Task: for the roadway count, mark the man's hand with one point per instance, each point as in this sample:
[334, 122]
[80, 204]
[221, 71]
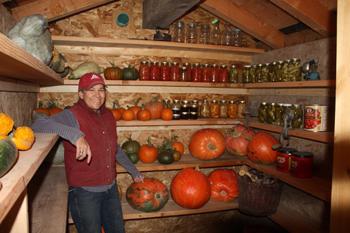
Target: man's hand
[83, 150]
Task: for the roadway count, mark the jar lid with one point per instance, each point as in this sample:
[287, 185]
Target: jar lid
[286, 150]
[122, 19]
[303, 154]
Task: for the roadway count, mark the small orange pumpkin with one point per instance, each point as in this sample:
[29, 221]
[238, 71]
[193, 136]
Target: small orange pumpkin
[144, 115]
[128, 115]
[167, 114]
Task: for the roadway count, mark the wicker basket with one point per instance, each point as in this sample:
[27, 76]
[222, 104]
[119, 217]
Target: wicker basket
[258, 199]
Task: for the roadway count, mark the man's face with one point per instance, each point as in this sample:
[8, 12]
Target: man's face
[94, 97]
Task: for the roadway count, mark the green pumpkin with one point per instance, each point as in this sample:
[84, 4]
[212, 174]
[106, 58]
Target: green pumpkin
[131, 146]
[8, 155]
[134, 157]
[130, 73]
[166, 157]
[147, 196]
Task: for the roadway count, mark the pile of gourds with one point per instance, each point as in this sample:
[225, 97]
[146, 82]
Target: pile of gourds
[11, 140]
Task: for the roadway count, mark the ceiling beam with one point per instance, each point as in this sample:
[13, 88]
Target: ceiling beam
[244, 20]
[160, 14]
[311, 12]
[56, 9]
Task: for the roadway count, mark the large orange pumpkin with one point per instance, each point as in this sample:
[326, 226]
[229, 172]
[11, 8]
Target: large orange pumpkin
[223, 184]
[207, 144]
[260, 148]
[190, 188]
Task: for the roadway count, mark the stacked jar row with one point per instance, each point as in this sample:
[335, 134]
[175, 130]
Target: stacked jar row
[172, 71]
[281, 114]
[277, 71]
[194, 109]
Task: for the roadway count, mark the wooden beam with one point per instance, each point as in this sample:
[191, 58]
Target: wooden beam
[310, 12]
[244, 20]
[54, 9]
[160, 14]
[340, 202]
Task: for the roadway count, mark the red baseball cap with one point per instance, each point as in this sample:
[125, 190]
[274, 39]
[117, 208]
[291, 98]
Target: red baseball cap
[89, 80]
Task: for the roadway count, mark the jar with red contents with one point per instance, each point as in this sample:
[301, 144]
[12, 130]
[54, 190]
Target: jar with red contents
[214, 78]
[206, 73]
[196, 73]
[165, 71]
[284, 157]
[301, 164]
[144, 71]
[155, 71]
[175, 72]
[223, 74]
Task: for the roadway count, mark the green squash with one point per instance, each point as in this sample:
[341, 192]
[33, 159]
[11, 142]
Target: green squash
[131, 146]
[166, 157]
[134, 157]
[130, 73]
[8, 155]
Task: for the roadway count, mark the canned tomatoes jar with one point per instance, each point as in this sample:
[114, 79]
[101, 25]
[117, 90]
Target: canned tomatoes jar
[301, 164]
[284, 155]
[315, 118]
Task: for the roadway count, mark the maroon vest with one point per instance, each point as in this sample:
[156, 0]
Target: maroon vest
[100, 132]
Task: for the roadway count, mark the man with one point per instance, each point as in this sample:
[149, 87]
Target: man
[90, 152]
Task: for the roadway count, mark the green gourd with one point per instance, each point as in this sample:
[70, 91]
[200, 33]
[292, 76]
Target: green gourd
[8, 155]
[130, 73]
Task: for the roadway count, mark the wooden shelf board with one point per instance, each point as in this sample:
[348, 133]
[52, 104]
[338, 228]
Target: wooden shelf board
[316, 186]
[209, 121]
[161, 83]
[135, 43]
[17, 179]
[16, 63]
[299, 84]
[172, 209]
[326, 137]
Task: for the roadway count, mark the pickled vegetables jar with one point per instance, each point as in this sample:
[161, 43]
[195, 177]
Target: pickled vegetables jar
[214, 108]
[232, 109]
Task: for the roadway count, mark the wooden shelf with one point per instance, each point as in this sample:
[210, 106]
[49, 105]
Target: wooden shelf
[172, 209]
[315, 186]
[299, 133]
[198, 122]
[17, 179]
[17, 64]
[299, 84]
[68, 44]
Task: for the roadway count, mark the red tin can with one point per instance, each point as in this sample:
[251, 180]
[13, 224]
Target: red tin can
[283, 162]
[301, 164]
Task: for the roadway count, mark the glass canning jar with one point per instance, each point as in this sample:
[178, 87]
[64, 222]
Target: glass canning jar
[214, 108]
[232, 109]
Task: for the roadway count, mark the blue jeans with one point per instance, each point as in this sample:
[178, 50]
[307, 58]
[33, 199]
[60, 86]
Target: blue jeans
[91, 210]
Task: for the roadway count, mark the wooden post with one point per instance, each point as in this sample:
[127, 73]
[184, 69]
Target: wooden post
[340, 202]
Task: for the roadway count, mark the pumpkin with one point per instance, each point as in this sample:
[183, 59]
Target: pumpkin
[131, 146]
[117, 111]
[128, 115]
[166, 114]
[190, 188]
[178, 146]
[155, 107]
[223, 185]
[130, 73]
[113, 72]
[207, 144]
[144, 115]
[23, 138]
[8, 155]
[135, 108]
[166, 157]
[147, 196]
[148, 153]
[237, 140]
[6, 124]
[260, 148]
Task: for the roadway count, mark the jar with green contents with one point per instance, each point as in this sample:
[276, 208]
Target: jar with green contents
[272, 72]
[285, 71]
[223, 109]
[279, 114]
[262, 112]
[253, 72]
[233, 76]
[271, 117]
[298, 118]
[278, 71]
[264, 73]
[246, 74]
[295, 70]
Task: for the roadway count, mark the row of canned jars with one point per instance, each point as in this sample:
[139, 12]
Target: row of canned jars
[173, 71]
[277, 71]
[281, 114]
[194, 109]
